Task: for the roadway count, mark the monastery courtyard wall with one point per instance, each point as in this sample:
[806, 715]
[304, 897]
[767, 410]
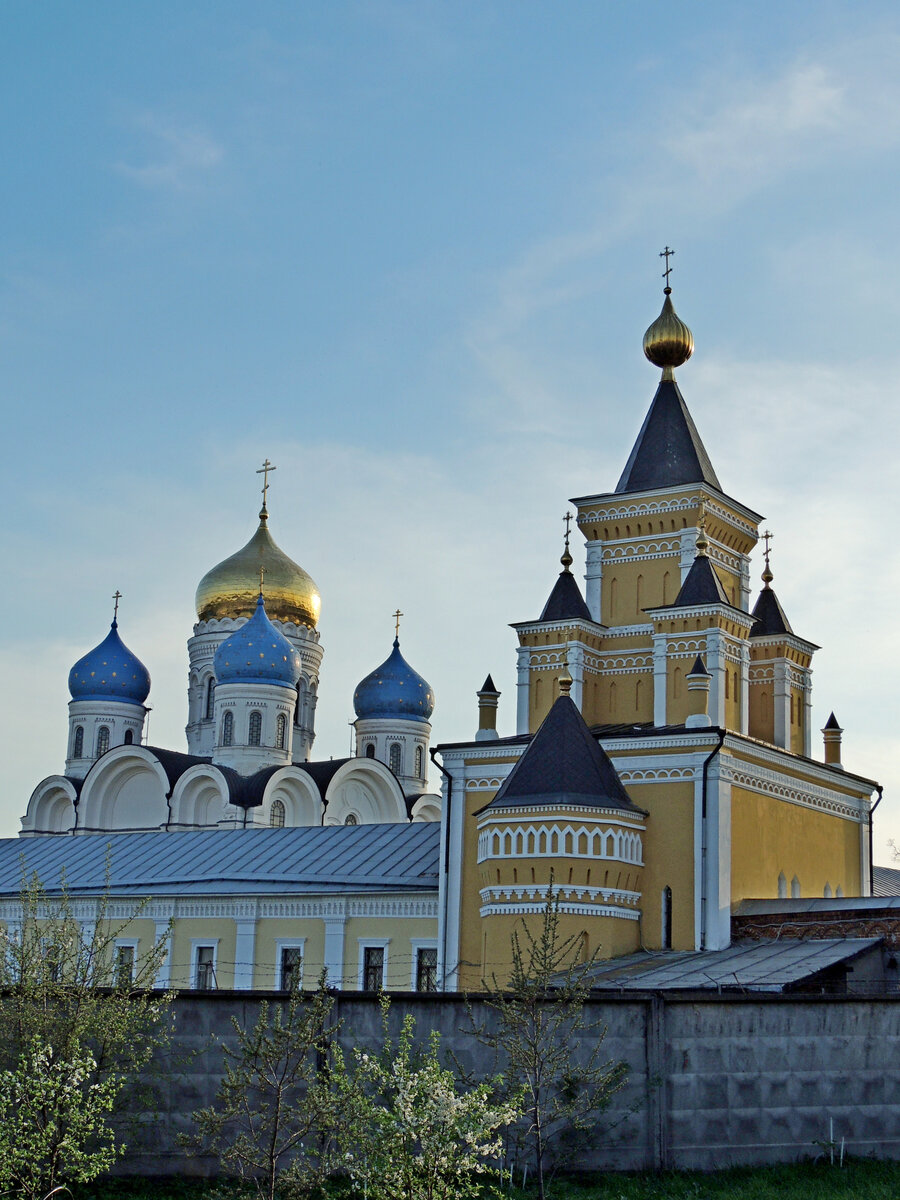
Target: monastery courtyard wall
[715, 1080]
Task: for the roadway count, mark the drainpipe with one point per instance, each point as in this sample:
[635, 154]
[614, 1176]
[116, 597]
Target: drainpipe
[880, 790]
[721, 734]
[445, 820]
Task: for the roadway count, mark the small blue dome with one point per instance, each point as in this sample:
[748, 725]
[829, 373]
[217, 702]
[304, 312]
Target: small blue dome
[110, 672]
[258, 653]
[394, 690]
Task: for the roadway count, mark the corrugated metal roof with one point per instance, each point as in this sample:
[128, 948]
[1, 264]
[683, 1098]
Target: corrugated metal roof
[308, 859]
[754, 966]
[886, 881]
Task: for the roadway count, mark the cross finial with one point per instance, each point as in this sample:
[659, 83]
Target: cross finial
[566, 559]
[117, 596]
[397, 615]
[667, 254]
[262, 572]
[767, 575]
[264, 471]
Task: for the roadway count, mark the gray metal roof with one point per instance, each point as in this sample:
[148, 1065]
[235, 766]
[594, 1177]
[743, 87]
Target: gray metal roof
[249, 861]
[886, 881]
[814, 904]
[751, 966]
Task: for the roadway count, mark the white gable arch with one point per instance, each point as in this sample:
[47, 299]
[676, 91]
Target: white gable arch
[427, 808]
[295, 789]
[125, 790]
[199, 799]
[51, 808]
[367, 792]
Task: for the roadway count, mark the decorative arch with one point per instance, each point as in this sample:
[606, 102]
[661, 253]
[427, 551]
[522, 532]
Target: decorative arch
[199, 798]
[294, 789]
[125, 790]
[365, 787]
[427, 808]
[51, 808]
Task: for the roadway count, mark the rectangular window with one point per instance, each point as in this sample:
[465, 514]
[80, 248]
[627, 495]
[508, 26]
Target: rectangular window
[125, 961]
[205, 968]
[426, 969]
[291, 966]
[373, 968]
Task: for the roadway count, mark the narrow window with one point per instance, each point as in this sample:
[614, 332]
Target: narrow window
[666, 589]
[667, 918]
[290, 968]
[78, 744]
[210, 698]
[276, 814]
[795, 888]
[418, 760]
[228, 728]
[129, 737]
[373, 968]
[280, 731]
[370, 750]
[102, 740]
[351, 819]
[205, 969]
[298, 704]
[394, 757]
[426, 969]
[124, 966]
[782, 887]
[255, 731]
[639, 592]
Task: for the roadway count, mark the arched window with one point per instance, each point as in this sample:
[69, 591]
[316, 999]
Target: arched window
[78, 744]
[667, 918]
[210, 698]
[351, 819]
[280, 731]
[394, 757]
[254, 733]
[795, 888]
[370, 750]
[102, 740]
[228, 728]
[129, 737]
[276, 814]
[418, 760]
[297, 705]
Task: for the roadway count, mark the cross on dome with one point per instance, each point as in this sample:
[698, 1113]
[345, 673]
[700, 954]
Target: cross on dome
[264, 471]
[117, 596]
[668, 271]
[397, 615]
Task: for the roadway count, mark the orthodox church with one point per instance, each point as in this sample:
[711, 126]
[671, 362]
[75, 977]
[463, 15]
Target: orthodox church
[661, 773]
[254, 662]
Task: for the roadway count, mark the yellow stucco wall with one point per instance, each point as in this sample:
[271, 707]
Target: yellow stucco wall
[399, 952]
[668, 859]
[209, 930]
[269, 930]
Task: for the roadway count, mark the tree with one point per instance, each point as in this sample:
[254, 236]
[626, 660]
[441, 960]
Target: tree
[273, 1118]
[76, 1029]
[409, 1131]
[548, 1046]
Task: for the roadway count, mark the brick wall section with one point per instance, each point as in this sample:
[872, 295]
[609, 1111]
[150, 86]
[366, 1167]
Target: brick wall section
[717, 1080]
[883, 923]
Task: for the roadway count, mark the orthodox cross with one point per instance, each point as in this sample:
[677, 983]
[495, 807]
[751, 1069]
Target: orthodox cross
[264, 471]
[117, 596]
[767, 537]
[397, 615]
[666, 255]
[262, 571]
[567, 518]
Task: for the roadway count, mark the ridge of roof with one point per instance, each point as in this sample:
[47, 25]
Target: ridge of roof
[668, 450]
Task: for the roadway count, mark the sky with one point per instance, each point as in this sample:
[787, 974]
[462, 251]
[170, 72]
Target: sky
[408, 251]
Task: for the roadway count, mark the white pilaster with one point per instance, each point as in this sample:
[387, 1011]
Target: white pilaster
[593, 579]
[450, 885]
[688, 551]
[334, 950]
[781, 701]
[807, 714]
[715, 664]
[660, 680]
[244, 952]
[745, 583]
[718, 860]
[161, 930]
[576, 670]
[523, 658]
[745, 689]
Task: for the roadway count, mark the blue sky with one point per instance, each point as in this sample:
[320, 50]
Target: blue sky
[408, 252]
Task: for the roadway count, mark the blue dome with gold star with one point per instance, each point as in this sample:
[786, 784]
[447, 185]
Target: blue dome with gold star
[394, 690]
[258, 653]
[110, 672]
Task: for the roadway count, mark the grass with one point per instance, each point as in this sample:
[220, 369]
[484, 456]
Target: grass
[858, 1179]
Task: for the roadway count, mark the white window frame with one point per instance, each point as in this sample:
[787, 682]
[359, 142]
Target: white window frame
[196, 945]
[375, 943]
[418, 944]
[121, 943]
[289, 944]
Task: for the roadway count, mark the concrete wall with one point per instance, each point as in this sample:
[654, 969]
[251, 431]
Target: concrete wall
[716, 1080]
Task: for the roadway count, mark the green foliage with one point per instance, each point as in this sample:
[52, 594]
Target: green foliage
[272, 1121]
[408, 1130]
[539, 1023]
[66, 1009]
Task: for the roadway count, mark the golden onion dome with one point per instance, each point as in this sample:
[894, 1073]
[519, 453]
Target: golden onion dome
[231, 589]
[668, 342]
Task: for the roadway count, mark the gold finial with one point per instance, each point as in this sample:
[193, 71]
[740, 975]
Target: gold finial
[264, 471]
[262, 571]
[397, 615]
[702, 540]
[668, 342]
[117, 596]
[565, 680]
[767, 575]
[566, 558]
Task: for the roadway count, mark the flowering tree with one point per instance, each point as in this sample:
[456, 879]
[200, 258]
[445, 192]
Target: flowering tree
[409, 1131]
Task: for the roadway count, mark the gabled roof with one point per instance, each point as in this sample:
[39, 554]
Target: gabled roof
[668, 450]
[564, 765]
[566, 602]
[769, 615]
[702, 586]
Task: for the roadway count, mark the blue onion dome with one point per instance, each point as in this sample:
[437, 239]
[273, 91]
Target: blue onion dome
[258, 653]
[110, 672]
[394, 690]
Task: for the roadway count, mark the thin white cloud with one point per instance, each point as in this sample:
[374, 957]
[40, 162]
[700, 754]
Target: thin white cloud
[180, 155]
